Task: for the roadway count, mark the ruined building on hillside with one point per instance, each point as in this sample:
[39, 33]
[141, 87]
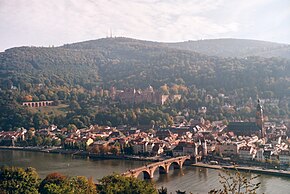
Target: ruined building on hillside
[148, 95]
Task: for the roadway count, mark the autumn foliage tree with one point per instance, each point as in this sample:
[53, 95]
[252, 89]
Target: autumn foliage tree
[54, 183]
[57, 183]
[116, 184]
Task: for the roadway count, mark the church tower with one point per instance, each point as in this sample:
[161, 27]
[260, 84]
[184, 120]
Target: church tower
[260, 118]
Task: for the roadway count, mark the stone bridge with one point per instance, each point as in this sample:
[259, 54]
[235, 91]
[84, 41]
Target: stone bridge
[38, 104]
[163, 166]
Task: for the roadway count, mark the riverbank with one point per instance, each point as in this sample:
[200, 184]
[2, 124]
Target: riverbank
[79, 153]
[256, 170]
[190, 179]
[84, 154]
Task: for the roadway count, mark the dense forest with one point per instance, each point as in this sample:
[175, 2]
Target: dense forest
[235, 48]
[69, 75]
[127, 62]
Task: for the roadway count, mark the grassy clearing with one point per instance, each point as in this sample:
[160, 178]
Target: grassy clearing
[61, 109]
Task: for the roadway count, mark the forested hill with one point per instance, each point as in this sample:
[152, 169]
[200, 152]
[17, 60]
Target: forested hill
[235, 48]
[125, 62]
[213, 47]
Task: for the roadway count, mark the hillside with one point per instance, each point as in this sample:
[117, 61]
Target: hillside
[125, 62]
[69, 75]
[235, 48]
[52, 66]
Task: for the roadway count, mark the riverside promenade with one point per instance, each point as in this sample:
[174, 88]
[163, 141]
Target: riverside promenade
[79, 153]
[256, 170]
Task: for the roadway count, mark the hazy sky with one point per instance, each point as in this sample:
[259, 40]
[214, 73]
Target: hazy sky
[56, 22]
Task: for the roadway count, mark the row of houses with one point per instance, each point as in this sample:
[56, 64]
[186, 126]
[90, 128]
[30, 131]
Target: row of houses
[199, 139]
[9, 138]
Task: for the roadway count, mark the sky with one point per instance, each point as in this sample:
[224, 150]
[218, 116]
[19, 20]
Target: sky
[57, 22]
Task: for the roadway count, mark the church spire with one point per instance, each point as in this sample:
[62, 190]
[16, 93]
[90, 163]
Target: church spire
[260, 118]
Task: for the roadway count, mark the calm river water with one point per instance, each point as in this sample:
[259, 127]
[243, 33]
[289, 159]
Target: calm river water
[196, 180]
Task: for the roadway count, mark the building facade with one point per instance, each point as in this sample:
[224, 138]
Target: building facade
[133, 96]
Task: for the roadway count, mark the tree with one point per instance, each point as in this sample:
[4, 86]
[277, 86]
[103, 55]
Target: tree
[236, 183]
[54, 183]
[14, 180]
[74, 105]
[116, 184]
[82, 185]
[47, 141]
[27, 98]
[42, 97]
[164, 89]
[103, 149]
[36, 140]
[56, 142]
[115, 150]
[72, 127]
[30, 134]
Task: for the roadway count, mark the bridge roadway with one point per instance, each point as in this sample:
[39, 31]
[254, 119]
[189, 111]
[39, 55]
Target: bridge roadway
[163, 166]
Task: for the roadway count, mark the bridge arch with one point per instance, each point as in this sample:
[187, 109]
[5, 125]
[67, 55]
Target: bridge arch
[163, 170]
[176, 165]
[187, 160]
[146, 174]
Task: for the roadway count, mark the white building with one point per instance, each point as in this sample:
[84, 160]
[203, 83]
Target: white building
[284, 157]
[246, 153]
[260, 155]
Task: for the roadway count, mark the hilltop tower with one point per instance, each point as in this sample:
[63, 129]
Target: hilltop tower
[260, 118]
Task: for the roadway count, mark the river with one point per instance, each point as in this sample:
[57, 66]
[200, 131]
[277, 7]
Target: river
[196, 180]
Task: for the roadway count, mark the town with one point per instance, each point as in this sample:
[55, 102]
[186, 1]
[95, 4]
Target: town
[257, 143]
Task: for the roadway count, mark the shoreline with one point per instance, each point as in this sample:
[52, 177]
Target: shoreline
[279, 173]
[78, 153]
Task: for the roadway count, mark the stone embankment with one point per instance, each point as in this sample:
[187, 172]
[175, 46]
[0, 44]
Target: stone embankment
[256, 170]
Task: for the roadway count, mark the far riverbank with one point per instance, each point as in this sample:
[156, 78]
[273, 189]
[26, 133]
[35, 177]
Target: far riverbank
[257, 170]
[84, 154]
[81, 153]
[191, 179]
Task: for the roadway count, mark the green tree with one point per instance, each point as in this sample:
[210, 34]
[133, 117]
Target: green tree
[36, 140]
[74, 105]
[72, 127]
[42, 97]
[116, 184]
[14, 180]
[56, 142]
[47, 141]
